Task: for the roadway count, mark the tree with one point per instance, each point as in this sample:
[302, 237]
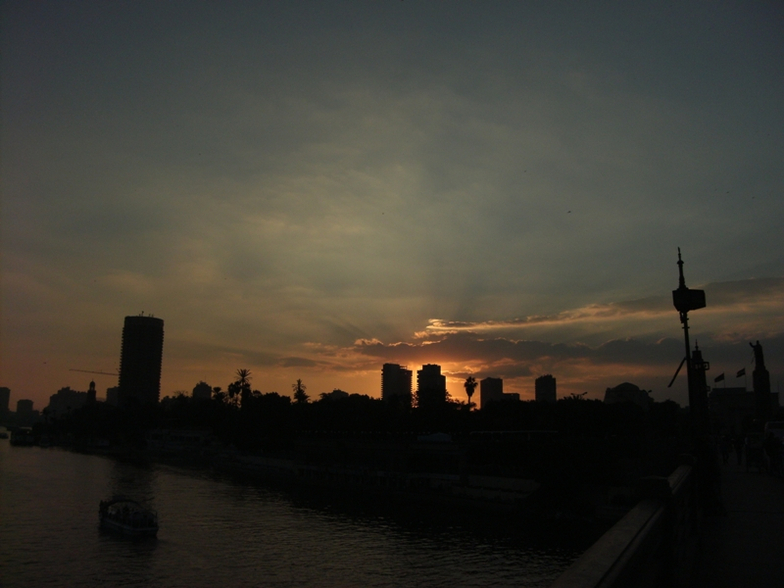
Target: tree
[470, 385]
[300, 397]
[239, 390]
[202, 391]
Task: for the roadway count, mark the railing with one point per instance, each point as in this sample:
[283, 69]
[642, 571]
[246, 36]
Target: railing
[655, 544]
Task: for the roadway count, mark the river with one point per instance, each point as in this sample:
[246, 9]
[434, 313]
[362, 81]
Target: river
[218, 531]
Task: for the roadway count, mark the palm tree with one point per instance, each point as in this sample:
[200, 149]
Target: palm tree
[299, 392]
[240, 388]
[470, 385]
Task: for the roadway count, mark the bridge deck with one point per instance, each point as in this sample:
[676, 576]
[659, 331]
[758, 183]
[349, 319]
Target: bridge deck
[745, 547]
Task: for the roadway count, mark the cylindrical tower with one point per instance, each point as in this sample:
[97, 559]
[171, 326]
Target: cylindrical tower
[140, 359]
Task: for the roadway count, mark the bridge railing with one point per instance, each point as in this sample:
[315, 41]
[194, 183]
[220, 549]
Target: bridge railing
[654, 544]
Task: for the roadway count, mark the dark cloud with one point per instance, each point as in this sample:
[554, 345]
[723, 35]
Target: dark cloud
[464, 346]
[741, 292]
[510, 359]
[180, 349]
[297, 362]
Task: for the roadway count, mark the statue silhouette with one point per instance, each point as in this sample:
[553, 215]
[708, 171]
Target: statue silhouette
[759, 358]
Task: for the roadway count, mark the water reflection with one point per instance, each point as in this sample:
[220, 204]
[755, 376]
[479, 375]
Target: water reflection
[216, 531]
[134, 480]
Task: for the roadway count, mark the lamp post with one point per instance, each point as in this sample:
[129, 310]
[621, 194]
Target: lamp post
[686, 299]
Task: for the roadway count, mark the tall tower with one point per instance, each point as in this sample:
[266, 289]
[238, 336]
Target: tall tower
[490, 390]
[140, 359]
[5, 398]
[396, 384]
[544, 388]
[431, 386]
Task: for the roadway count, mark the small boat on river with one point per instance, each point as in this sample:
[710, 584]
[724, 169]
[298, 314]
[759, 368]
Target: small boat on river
[128, 517]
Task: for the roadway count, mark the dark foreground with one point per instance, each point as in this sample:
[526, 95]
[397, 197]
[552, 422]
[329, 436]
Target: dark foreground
[745, 547]
[216, 530]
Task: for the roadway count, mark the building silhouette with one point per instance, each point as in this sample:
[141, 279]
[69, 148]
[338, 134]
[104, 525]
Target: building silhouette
[25, 415]
[5, 398]
[431, 386]
[545, 388]
[113, 396]
[24, 408]
[140, 359]
[396, 384]
[336, 394]
[490, 390]
[65, 400]
[761, 380]
[628, 392]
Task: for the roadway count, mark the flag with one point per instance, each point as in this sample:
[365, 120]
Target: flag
[719, 378]
[741, 373]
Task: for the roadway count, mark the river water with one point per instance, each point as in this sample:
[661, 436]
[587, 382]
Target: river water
[217, 531]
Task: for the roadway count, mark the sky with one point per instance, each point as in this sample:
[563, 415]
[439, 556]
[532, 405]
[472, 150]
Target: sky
[311, 189]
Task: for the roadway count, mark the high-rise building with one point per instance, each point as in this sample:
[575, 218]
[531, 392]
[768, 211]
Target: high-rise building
[490, 390]
[113, 396]
[5, 398]
[25, 415]
[140, 359]
[545, 388]
[24, 408]
[396, 384]
[431, 386]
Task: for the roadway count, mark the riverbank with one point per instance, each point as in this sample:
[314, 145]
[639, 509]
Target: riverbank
[224, 529]
[492, 502]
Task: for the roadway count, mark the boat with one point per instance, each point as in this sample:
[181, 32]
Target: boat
[126, 516]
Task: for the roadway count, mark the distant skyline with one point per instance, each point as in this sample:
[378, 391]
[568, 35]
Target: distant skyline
[310, 190]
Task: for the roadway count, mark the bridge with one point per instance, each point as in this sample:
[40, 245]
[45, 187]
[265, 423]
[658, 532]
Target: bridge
[669, 539]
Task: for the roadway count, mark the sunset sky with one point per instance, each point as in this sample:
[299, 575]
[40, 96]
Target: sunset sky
[311, 189]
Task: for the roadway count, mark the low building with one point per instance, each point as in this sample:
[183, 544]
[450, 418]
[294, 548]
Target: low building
[65, 401]
[202, 391]
[627, 392]
[492, 390]
[336, 394]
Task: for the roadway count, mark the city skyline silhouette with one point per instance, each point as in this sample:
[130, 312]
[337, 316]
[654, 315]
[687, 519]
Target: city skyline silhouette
[411, 257]
[313, 191]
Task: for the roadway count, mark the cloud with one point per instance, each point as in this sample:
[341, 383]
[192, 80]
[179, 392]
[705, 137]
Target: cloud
[504, 353]
[474, 185]
[763, 297]
[297, 362]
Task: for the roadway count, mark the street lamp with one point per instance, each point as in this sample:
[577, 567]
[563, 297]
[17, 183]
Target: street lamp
[686, 299]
